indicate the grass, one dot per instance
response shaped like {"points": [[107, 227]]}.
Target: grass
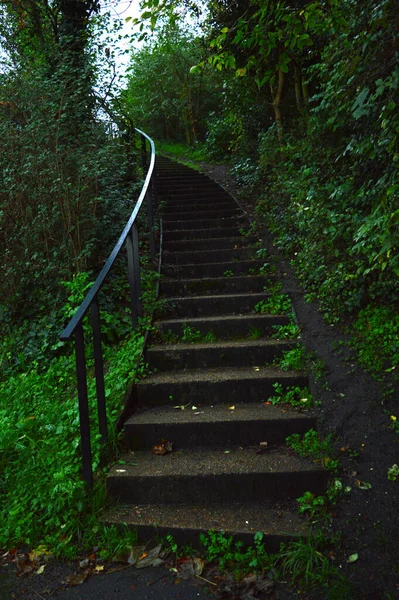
{"points": [[183, 153]]}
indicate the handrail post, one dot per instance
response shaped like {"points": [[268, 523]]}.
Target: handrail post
{"points": [[133, 261], [150, 224], [83, 405], [99, 371]]}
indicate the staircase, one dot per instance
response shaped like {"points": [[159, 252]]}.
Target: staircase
{"points": [[209, 384]]}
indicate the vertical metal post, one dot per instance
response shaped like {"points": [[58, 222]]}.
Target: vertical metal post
{"points": [[83, 406], [99, 371], [143, 155], [150, 221], [133, 262]]}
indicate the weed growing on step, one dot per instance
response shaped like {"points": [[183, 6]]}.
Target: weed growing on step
{"points": [[255, 333], [231, 554], [314, 507], [192, 335], [293, 395], [312, 445], [277, 303], [295, 359], [286, 332], [250, 230], [228, 273], [299, 359], [262, 253]]}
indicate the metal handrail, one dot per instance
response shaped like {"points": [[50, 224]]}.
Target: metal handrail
{"points": [[75, 325]]}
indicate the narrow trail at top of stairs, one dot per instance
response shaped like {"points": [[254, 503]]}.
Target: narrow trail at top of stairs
{"points": [[211, 357]]}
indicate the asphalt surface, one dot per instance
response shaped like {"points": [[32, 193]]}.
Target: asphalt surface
{"points": [[131, 583]]}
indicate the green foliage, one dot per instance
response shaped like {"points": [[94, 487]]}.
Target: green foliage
{"points": [[290, 331], [295, 359], [393, 472], [312, 445], [293, 395], [43, 498], [315, 507], [230, 554], [276, 304], [304, 563], [193, 335], [376, 337]]}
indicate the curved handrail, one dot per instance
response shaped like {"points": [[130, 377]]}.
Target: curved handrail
{"points": [[97, 285], [75, 325]]}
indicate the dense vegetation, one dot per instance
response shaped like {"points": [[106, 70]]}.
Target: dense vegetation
{"points": [[68, 183]]}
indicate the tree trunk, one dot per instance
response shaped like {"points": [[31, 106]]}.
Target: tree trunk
{"points": [[277, 96]]}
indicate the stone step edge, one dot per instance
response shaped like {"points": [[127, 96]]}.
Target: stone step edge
{"points": [[224, 344], [220, 374], [218, 318], [185, 523]]}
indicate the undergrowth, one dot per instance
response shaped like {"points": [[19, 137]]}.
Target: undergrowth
{"points": [[43, 499]]}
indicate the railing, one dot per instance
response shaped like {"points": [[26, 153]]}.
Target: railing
{"points": [[75, 325]]}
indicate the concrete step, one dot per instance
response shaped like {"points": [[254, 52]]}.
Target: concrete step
{"points": [[208, 256], [204, 387], [203, 476], [213, 269], [278, 522], [224, 326], [215, 426], [186, 195], [193, 214], [167, 357], [171, 209], [199, 306], [211, 244], [215, 285], [201, 233], [215, 223]]}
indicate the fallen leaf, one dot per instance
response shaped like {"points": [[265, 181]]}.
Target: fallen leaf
{"points": [[40, 570], [134, 554], [267, 402], [121, 470], [353, 558], [363, 485], [99, 568], [24, 565], [189, 567], [84, 563], [77, 578], [151, 559], [163, 448], [232, 407], [194, 408]]}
